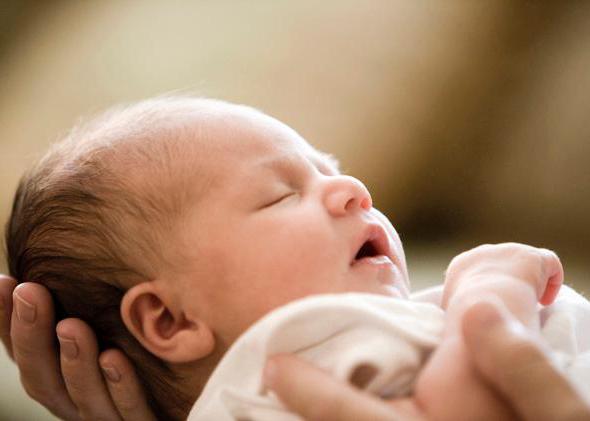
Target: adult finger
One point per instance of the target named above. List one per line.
(7, 285)
(315, 395)
(34, 348)
(515, 364)
(124, 386)
(82, 375)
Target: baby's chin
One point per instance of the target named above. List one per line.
(398, 290)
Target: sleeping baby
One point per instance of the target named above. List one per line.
(202, 237)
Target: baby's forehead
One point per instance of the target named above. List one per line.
(205, 142)
(248, 135)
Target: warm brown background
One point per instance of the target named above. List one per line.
(469, 121)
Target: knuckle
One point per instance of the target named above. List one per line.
(482, 248)
(465, 260)
(128, 405)
(515, 249)
(53, 406)
(86, 413)
(547, 251)
(26, 349)
(527, 255)
(460, 261)
(41, 396)
(549, 255)
(512, 245)
(78, 393)
(33, 393)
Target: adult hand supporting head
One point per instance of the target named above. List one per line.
(69, 383)
(512, 362)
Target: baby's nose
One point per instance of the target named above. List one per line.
(345, 194)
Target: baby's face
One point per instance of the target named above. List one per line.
(276, 221)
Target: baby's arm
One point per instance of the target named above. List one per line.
(520, 276)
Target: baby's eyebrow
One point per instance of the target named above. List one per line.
(330, 160)
(325, 162)
(281, 162)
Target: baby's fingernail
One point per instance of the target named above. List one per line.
(25, 311)
(270, 373)
(111, 373)
(68, 348)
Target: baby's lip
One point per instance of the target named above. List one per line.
(376, 235)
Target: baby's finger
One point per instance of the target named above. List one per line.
(34, 348)
(7, 285)
(315, 395)
(553, 277)
(518, 368)
(82, 375)
(124, 386)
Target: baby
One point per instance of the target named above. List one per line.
(173, 225)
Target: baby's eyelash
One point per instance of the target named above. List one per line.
(279, 199)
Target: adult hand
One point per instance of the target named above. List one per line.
(519, 367)
(513, 362)
(70, 382)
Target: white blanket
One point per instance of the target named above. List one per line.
(342, 332)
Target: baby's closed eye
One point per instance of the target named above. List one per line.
(278, 199)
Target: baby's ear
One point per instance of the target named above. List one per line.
(162, 329)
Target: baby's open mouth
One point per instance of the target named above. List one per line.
(374, 243)
(368, 249)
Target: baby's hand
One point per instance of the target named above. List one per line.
(541, 268)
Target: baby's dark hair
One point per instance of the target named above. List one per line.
(96, 214)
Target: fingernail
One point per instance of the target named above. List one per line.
(68, 348)
(111, 374)
(25, 311)
(270, 373)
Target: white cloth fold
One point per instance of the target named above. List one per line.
(343, 332)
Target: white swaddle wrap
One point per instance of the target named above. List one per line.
(342, 332)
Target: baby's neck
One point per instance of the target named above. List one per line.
(193, 376)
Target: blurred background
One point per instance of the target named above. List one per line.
(468, 121)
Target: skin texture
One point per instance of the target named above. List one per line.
(256, 179)
(500, 349)
(274, 221)
(266, 183)
(279, 218)
(518, 276)
(33, 344)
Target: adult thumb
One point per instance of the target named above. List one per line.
(517, 366)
